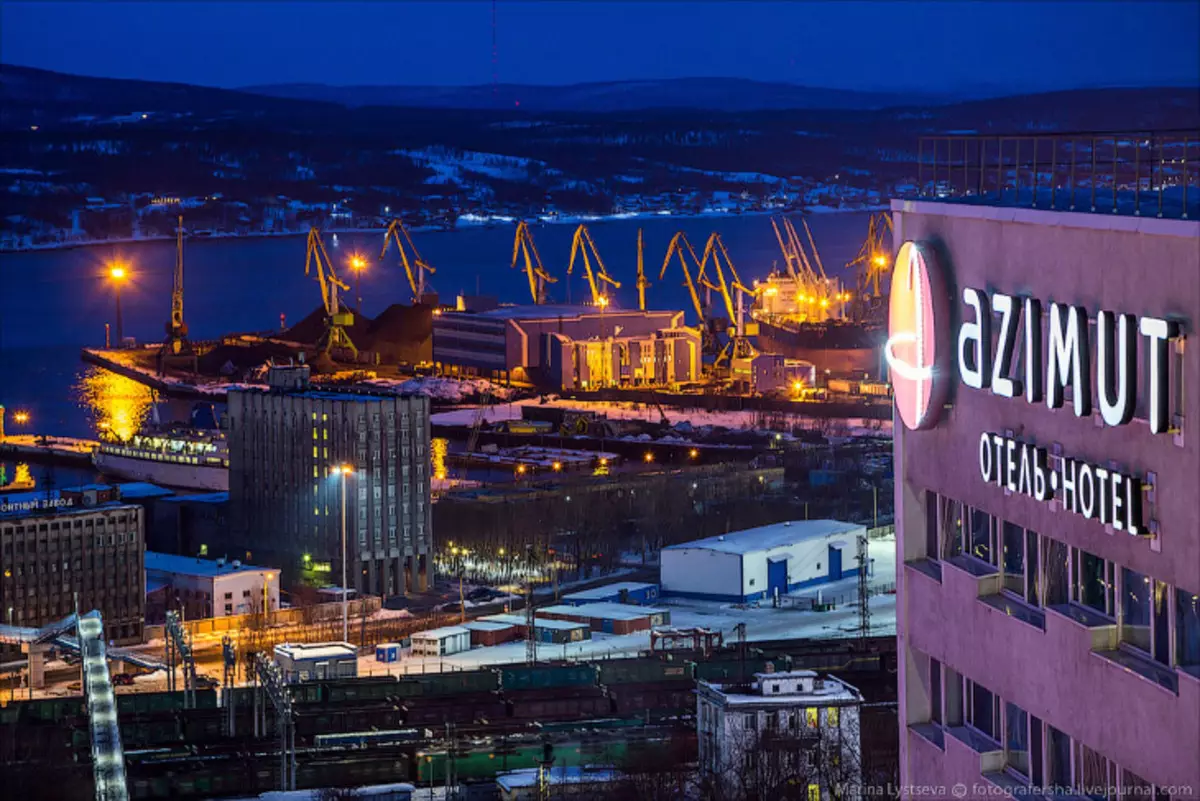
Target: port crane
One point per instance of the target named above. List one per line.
(738, 346)
(816, 292)
(642, 283)
(176, 345)
(580, 246)
(871, 266)
(337, 318)
(415, 267)
(682, 248)
(538, 277)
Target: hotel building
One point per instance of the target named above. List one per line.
(1048, 472)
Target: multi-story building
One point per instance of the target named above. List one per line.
(81, 542)
(664, 358)
(779, 731)
(201, 588)
(1048, 512)
(288, 445)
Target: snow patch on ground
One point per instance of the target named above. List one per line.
(451, 390)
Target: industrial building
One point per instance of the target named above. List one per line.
(610, 618)
(202, 588)
(83, 544)
(792, 723)
(546, 628)
(622, 592)
(762, 562)
(189, 523)
(316, 661)
(665, 358)
(512, 341)
(490, 632)
(767, 373)
(1047, 513)
(287, 447)
(441, 642)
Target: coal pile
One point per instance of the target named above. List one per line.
(400, 334)
(235, 361)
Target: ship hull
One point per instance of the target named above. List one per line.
(840, 349)
(166, 474)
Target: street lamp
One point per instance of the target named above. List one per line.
(117, 273)
(21, 418)
(358, 264)
(344, 470)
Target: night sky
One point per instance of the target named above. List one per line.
(896, 45)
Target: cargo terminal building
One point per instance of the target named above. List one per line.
(1048, 507)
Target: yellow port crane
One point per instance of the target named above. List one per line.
(642, 283)
(580, 245)
(337, 319)
(680, 246)
(415, 267)
(818, 296)
(715, 249)
(176, 346)
(871, 266)
(538, 277)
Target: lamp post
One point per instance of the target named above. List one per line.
(605, 351)
(117, 273)
(344, 470)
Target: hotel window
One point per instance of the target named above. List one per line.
(935, 691)
(1054, 587)
(1016, 738)
(1093, 583)
(1013, 561)
(1092, 773)
(984, 709)
(1187, 630)
(982, 533)
(1058, 756)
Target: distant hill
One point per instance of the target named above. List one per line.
(715, 94)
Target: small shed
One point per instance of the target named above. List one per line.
(491, 632)
(387, 652)
(623, 592)
(441, 642)
(316, 661)
(610, 618)
(561, 631)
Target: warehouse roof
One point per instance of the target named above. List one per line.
(554, 311)
(567, 774)
(205, 497)
(487, 625)
(538, 622)
(777, 535)
(319, 650)
(608, 611)
(191, 566)
(609, 590)
(442, 633)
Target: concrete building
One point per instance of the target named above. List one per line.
(579, 783)
(774, 373)
(781, 729)
(85, 541)
(316, 661)
(201, 588)
(622, 592)
(191, 524)
(1047, 512)
(285, 445)
(510, 341)
(762, 562)
(441, 642)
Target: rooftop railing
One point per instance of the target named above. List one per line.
(1154, 174)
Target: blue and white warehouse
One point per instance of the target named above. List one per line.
(761, 562)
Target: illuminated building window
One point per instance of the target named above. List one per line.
(832, 716)
(811, 718)
(314, 433)
(314, 451)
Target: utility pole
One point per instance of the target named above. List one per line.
(864, 606)
(229, 655)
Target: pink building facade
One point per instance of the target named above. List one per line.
(1048, 525)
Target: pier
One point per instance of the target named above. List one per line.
(39, 448)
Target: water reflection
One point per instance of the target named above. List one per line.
(22, 478)
(437, 449)
(117, 405)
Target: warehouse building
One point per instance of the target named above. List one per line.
(201, 588)
(762, 562)
(491, 632)
(547, 629)
(441, 642)
(316, 661)
(510, 341)
(623, 592)
(610, 618)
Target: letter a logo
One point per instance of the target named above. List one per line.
(916, 348)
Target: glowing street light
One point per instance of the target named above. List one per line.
(117, 274)
(602, 301)
(649, 457)
(344, 470)
(557, 466)
(21, 418)
(797, 386)
(358, 264)
(694, 453)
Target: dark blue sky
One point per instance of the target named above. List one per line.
(952, 45)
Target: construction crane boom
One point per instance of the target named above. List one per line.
(642, 283)
(679, 246)
(178, 327)
(523, 244)
(580, 245)
(715, 249)
(336, 319)
(415, 267)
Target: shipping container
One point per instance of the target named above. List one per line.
(550, 677)
(464, 708)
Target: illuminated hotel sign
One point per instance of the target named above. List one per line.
(917, 353)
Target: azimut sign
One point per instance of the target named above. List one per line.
(1022, 348)
(919, 336)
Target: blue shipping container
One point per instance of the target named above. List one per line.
(387, 652)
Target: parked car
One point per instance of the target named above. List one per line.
(122, 680)
(207, 683)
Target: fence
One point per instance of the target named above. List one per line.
(1135, 173)
(279, 617)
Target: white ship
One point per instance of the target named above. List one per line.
(179, 457)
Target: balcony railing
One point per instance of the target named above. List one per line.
(1150, 174)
